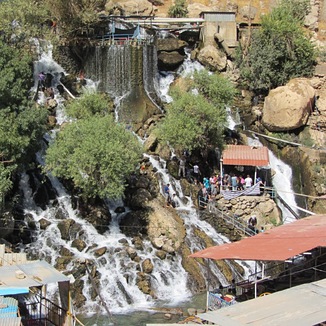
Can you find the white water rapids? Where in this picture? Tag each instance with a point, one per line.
(118, 272)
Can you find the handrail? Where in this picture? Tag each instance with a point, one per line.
(230, 220)
(290, 269)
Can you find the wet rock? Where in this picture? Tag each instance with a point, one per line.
(64, 227)
(99, 217)
(132, 253)
(65, 252)
(77, 293)
(138, 243)
(151, 143)
(44, 223)
(160, 254)
(100, 252)
(140, 198)
(124, 292)
(134, 223)
(79, 244)
(119, 210)
(61, 214)
(123, 241)
(170, 60)
(143, 283)
(62, 263)
(147, 266)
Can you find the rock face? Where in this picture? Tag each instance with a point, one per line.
(213, 58)
(265, 209)
(129, 7)
(288, 107)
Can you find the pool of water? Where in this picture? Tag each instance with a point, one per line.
(141, 318)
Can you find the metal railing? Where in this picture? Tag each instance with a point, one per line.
(233, 220)
(44, 312)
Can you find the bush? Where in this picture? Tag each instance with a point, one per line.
(178, 10)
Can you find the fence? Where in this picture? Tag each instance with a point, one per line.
(44, 312)
(233, 220)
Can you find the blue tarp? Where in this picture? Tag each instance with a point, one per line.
(13, 290)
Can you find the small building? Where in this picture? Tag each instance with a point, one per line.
(244, 160)
(222, 23)
(23, 292)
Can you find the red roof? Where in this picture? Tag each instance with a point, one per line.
(245, 155)
(277, 244)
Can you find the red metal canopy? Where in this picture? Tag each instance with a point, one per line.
(277, 244)
(245, 155)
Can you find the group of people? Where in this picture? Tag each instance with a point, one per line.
(236, 182)
(170, 200)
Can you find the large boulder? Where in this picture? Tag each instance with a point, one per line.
(288, 107)
(213, 58)
(169, 60)
(170, 44)
(165, 227)
(129, 7)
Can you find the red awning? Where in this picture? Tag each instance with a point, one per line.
(245, 155)
(277, 244)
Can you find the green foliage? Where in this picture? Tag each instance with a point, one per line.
(280, 50)
(195, 121)
(89, 105)
(75, 14)
(22, 19)
(16, 75)
(297, 9)
(322, 55)
(20, 132)
(178, 10)
(96, 154)
(5, 182)
(215, 88)
(22, 125)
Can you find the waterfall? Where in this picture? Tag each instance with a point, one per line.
(111, 67)
(282, 182)
(118, 273)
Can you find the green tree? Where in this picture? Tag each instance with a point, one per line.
(178, 10)
(22, 124)
(22, 19)
(73, 15)
(16, 76)
(96, 154)
(280, 49)
(89, 105)
(194, 121)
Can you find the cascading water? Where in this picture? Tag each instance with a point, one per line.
(118, 273)
(282, 182)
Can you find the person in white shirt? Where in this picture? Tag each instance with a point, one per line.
(248, 181)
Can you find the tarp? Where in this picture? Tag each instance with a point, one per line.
(13, 290)
(251, 191)
(277, 244)
(245, 155)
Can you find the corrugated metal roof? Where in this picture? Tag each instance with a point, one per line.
(302, 305)
(10, 321)
(277, 244)
(245, 155)
(34, 273)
